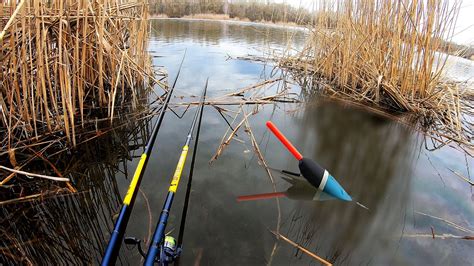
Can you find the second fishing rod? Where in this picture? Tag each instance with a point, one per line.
(161, 249)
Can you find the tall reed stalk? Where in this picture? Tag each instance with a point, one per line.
(384, 52)
(65, 63)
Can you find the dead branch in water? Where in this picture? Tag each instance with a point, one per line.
(304, 250)
(31, 175)
(451, 224)
(227, 138)
(443, 236)
(462, 177)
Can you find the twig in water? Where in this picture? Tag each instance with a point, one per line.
(307, 252)
(453, 225)
(462, 177)
(443, 236)
(62, 179)
(227, 141)
(150, 216)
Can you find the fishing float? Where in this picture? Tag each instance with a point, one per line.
(315, 174)
(116, 238)
(163, 249)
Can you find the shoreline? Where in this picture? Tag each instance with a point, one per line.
(281, 25)
(233, 20)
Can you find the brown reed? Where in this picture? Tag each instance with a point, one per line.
(65, 63)
(384, 53)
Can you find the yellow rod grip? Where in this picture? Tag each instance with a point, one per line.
(136, 177)
(179, 170)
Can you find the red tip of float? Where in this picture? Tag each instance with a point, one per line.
(284, 140)
(262, 196)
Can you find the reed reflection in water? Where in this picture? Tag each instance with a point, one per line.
(65, 228)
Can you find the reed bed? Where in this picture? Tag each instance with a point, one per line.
(384, 54)
(65, 65)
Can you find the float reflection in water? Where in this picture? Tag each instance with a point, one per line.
(300, 190)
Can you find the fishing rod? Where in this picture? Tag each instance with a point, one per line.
(163, 248)
(115, 242)
(315, 174)
(189, 183)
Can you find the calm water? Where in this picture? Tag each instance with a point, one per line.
(380, 163)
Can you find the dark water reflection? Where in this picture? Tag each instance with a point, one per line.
(373, 158)
(60, 228)
(380, 163)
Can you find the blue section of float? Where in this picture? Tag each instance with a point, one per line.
(334, 189)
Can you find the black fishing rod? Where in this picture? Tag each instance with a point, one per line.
(113, 247)
(188, 185)
(164, 249)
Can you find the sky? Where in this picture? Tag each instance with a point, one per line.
(464, 33)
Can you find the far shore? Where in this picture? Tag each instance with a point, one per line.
(469, 53)
(226, 18)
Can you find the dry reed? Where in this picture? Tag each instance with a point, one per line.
(65, 64)
(384, 53)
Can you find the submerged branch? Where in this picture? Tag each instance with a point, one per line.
(301, 248)
(443, 236)
(54, 178)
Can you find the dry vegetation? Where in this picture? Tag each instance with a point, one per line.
(383, 53)
(68, 70)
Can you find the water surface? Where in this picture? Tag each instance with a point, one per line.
(381, 163)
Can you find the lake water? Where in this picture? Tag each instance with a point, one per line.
(382, 164)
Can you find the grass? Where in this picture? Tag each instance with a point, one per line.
(384, 53)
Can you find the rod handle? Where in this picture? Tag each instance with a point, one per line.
(284, 141)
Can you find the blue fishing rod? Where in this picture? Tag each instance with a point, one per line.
(163, 249)
(116, 238)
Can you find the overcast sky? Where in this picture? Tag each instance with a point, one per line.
(464, 27)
